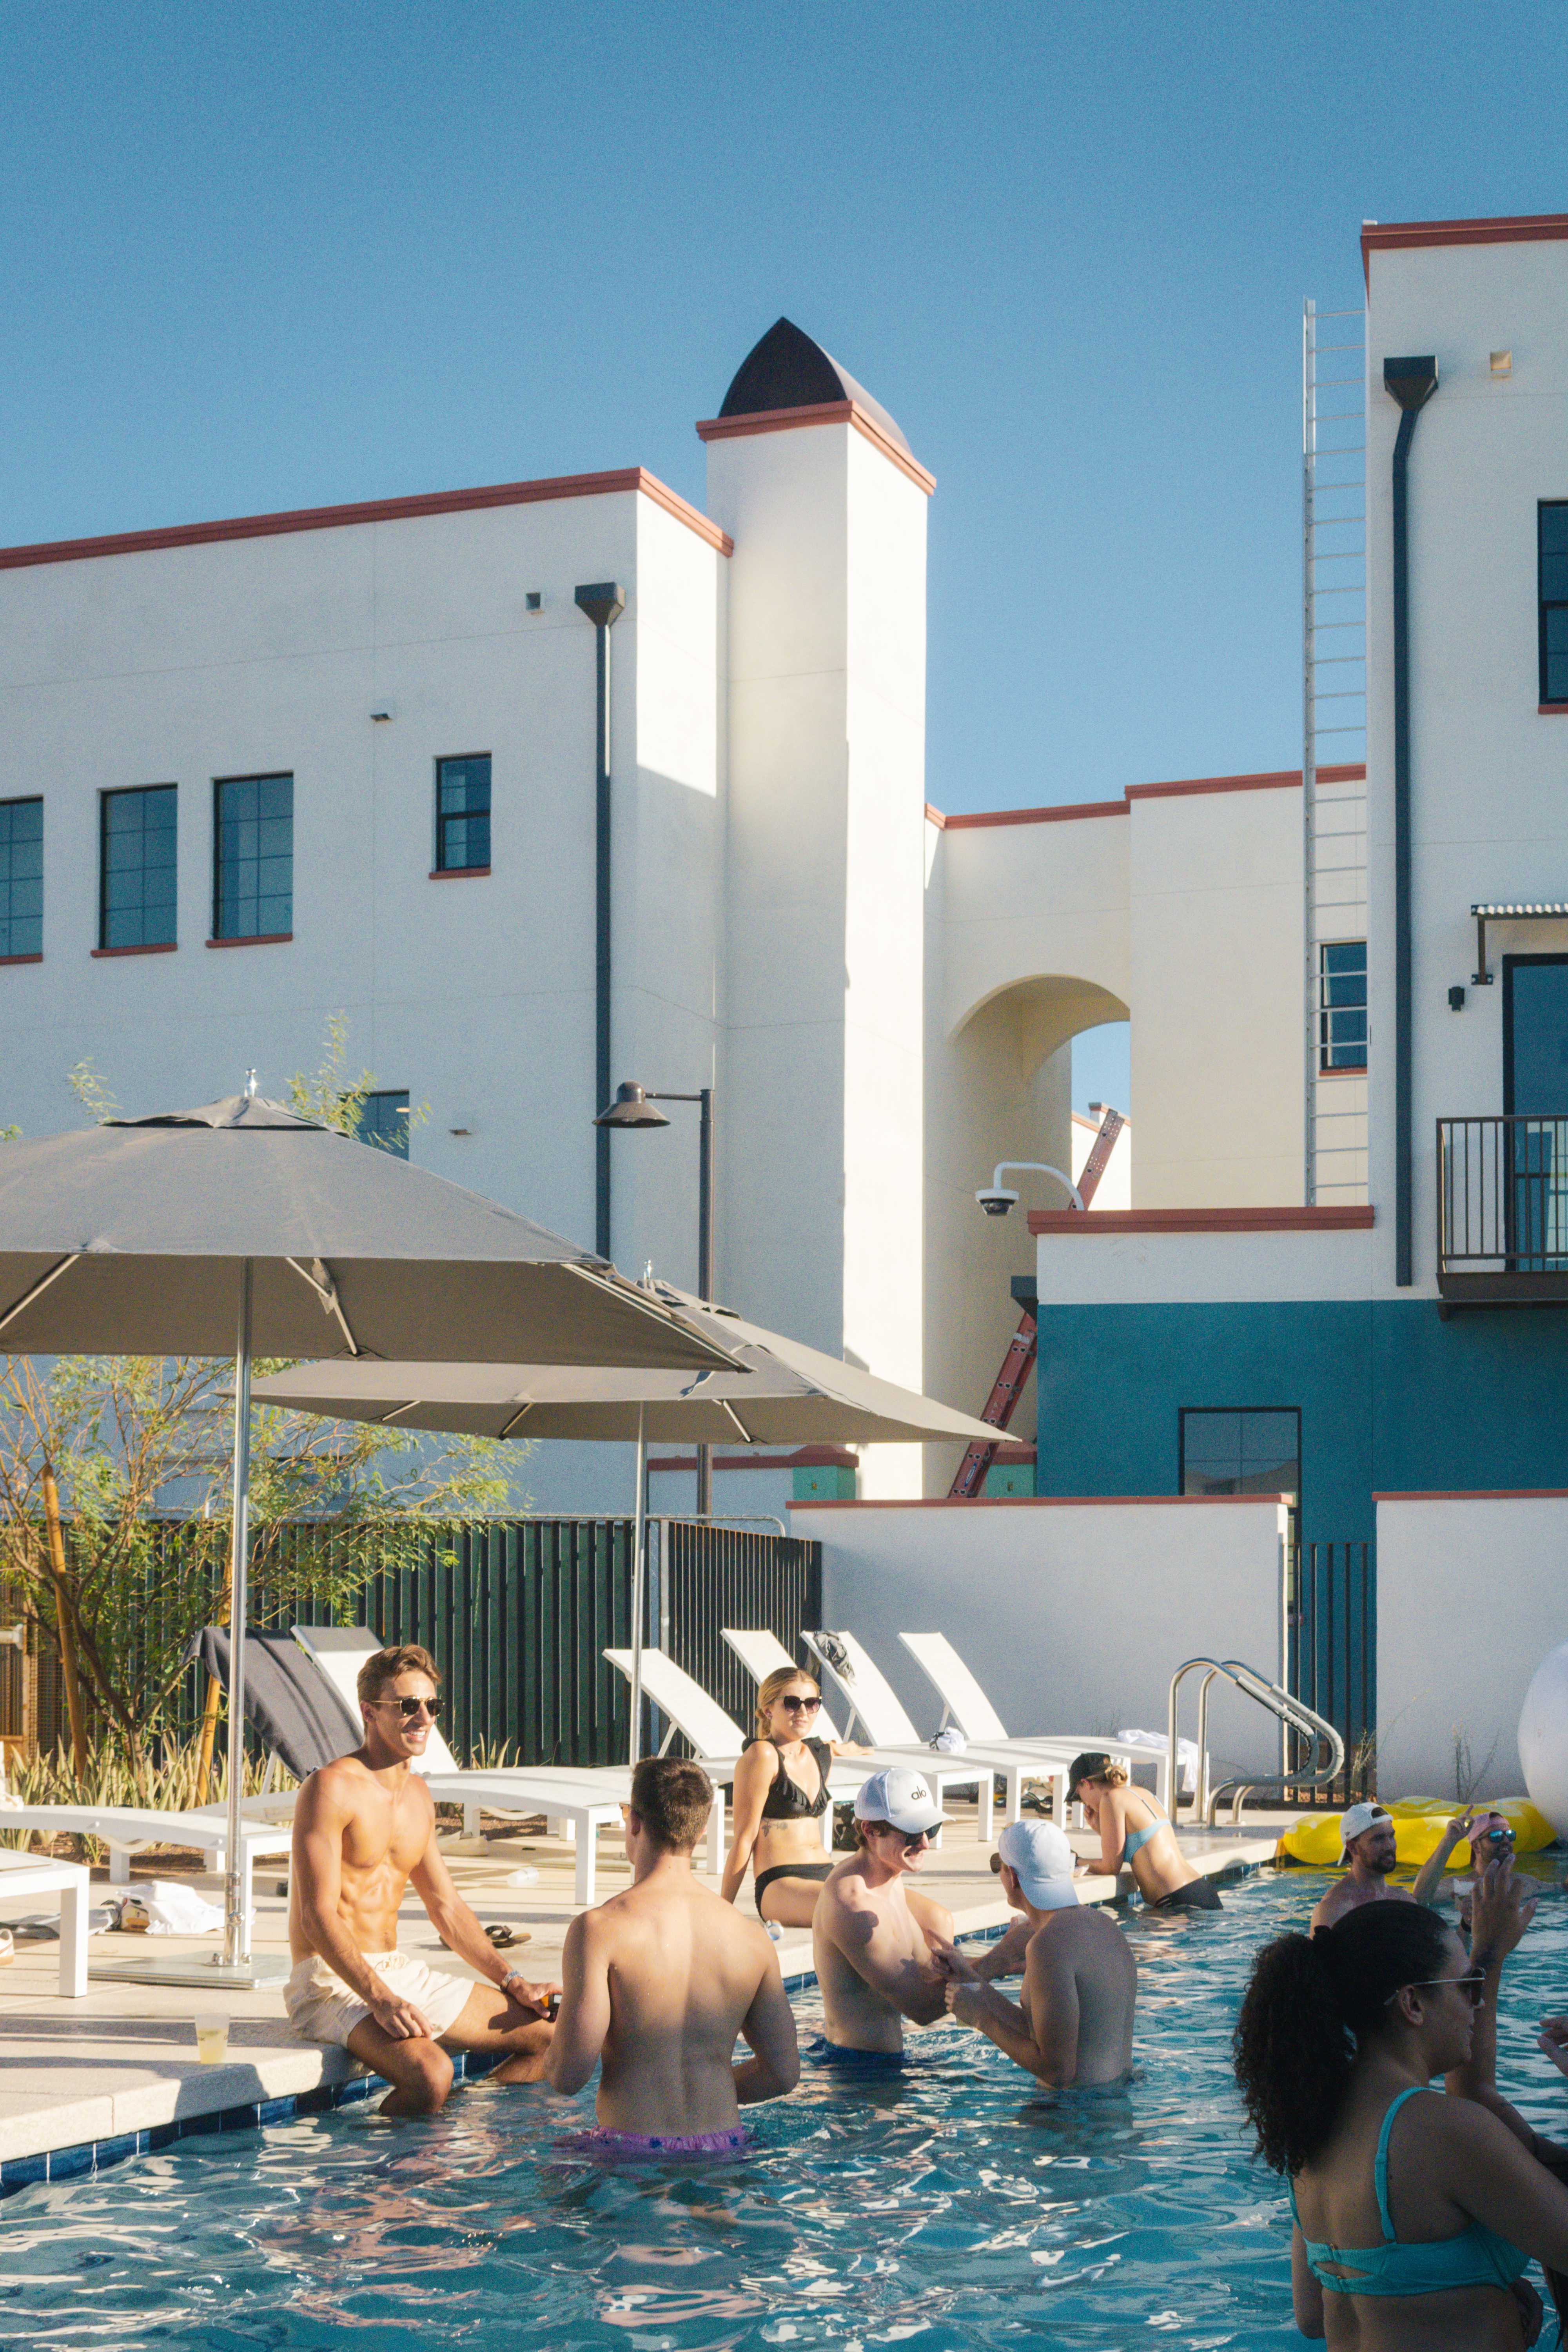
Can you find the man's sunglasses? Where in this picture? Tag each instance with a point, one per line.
(410, 1707)
(1473, 1986)
(921, 1837)
(801, 1706)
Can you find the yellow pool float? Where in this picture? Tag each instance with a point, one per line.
(1418, 1825)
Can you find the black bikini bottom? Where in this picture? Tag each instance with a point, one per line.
(1198, 1894)
(792, 1870)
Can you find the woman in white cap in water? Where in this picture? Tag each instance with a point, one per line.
(1135, 1832)
(1072, 2022)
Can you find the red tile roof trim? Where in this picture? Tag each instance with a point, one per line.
(1268, 780)
(1516, 229)
(1040, 1502)
(1100, 1224)
(825, 412)
(433, 502)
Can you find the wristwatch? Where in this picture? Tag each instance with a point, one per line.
(512, 1975)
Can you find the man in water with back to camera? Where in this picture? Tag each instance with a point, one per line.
(1073, 2019)
(869, 1930)
(364, 1828)
(1367, 1836)
(660, 1981)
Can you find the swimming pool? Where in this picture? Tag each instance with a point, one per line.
(948, 2208)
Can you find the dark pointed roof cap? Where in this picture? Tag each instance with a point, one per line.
(787, 370)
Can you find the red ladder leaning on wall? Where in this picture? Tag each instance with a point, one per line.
(1019, 1361)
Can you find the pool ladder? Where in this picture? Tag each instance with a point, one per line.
(1293, 1713)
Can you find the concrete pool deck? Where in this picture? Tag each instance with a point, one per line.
(84, 2083)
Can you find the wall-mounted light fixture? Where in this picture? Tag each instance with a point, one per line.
(381, 712)
(1502, 362)
(533, 601)
(1456, 1000)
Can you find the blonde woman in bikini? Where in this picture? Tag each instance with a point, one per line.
(779, 1798)
(1135, 1833)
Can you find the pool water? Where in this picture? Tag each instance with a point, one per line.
(952, 2207)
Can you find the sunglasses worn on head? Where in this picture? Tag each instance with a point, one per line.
(1473, 1985)
(410, 1707)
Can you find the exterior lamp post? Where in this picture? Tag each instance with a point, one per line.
(633, 1108)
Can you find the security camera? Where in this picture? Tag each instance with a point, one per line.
(995, 1200)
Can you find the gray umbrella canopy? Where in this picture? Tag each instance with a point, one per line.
(238, 1228)
(130, 1239)
(783, 1393)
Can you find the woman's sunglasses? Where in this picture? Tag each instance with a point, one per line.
(1473, 1986)
(801, 1706)
(410, 1707)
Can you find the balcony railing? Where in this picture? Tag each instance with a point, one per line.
(1503, 1210)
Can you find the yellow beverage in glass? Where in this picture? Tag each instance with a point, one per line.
(212, 2040)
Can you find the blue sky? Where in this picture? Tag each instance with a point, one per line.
(275, 256)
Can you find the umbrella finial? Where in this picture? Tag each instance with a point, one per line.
(250, 1086)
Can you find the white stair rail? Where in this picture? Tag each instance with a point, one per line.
(1292, 1712)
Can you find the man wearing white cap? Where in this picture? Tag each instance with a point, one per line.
(869, 1932)
(1366, 1839)
(1073, 2020)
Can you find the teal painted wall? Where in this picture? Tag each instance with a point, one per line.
(1392, 1397)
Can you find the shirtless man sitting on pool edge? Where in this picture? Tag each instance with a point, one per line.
(364, 1829)
(659, 1980)
(869, 1934)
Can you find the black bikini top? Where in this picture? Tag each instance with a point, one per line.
(786, 1800)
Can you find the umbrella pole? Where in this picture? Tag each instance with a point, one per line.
(236, 1926)
(639, 1542)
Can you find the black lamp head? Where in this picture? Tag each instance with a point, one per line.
(631, 1107)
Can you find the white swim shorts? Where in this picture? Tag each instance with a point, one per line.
(322, 2007)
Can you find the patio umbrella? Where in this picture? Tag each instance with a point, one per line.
(778, 1392)
(239, 1227)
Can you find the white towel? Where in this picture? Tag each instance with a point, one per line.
(175, 1909)
(1186, 1756)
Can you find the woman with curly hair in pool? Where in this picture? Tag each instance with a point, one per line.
(1416, 2214)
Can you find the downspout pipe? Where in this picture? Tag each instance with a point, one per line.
(1411, 382)
(603, 602)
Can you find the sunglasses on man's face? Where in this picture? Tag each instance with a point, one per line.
(801, 1706)
(921, 1837)
(410, 1707)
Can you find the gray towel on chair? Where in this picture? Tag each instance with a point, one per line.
(287, 1702)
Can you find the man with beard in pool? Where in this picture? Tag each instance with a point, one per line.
(659, 1982)
(869, 1934)
(1367, 1838)
(365, 1829)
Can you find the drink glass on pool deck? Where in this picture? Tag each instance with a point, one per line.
(212, 2040)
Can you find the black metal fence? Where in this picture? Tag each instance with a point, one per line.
(1331, 1659)
(517, 1615)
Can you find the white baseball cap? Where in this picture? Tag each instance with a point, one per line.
(1356, 1821)
(1041, 1858)
(902, 1798)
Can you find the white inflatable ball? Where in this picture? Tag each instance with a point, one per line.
(1543, 1738)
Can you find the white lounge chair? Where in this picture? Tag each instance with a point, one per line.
(579, 1800)
(873, 1702)
(26, 1873)
(126, 1830)
(966, 1706)
(719, 1741)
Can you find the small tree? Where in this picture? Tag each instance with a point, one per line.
(141, 1448)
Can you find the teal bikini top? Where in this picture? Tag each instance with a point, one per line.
(1135, 1839)
(1476, 2257)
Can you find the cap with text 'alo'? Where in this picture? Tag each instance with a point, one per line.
(902, 1798)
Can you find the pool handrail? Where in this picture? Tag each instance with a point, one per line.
(1292, 1712)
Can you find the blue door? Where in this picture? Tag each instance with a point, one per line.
(1535, 1098)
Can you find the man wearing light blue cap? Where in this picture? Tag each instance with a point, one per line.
(1073, 2020)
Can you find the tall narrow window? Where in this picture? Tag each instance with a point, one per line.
(1341, 1003)
(137, 867)
(1551, 556)
(253, 857)
(463, 814)
(384, 1120)
(21, 878)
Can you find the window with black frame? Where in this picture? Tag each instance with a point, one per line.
(463, 814)
(1250, 1451)
(253, 857)
(1552, 560)
(1341, 1004)
(382, 1120)
(138, 847)
(21, 878)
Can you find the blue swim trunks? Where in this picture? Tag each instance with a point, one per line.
(823, 2052)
